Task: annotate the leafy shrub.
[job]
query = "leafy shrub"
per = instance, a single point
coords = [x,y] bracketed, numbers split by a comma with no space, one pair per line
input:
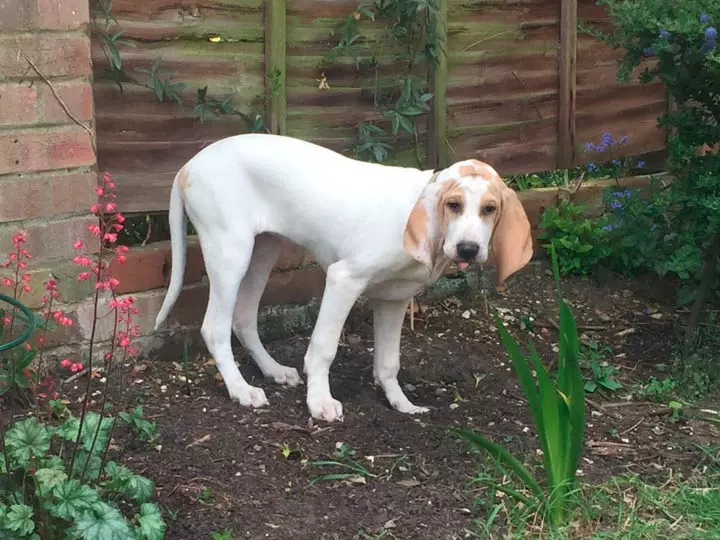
[580,242]
[58,482]
[676,43]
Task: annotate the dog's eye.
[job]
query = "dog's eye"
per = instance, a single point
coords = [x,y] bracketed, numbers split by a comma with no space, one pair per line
[454,206]
[489,209]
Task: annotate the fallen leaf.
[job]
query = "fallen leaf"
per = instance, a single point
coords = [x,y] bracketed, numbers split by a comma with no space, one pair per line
[408,483]
[201,440]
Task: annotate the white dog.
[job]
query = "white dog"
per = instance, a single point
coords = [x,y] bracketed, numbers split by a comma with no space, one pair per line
[377,230]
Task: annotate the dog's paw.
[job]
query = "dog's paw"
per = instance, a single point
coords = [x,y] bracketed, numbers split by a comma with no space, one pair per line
[247,396]
[286,376]
[327,409]
[406,407]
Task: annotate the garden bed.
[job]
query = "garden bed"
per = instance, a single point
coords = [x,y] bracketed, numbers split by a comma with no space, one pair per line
[220,466]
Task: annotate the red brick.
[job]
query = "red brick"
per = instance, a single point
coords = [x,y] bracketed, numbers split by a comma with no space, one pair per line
[22,198]
[56,55]
[50,239]
[70,193]
[78,96]
[17,15]
[63,14]
[194,263]
[142,271]
[18,104]
[294,286]
[34,196]
[45,149]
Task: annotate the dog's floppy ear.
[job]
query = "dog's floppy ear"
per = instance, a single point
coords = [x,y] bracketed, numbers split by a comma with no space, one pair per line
[416,238]
[512,242]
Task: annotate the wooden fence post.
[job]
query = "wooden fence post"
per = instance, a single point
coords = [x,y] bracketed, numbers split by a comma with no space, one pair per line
[275,69]
[437,136]
[567,67]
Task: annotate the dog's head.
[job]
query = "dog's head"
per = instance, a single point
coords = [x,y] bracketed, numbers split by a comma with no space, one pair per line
[469,215]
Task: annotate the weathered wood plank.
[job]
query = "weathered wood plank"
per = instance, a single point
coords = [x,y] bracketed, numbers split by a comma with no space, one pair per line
[568,55]
[275,66]
[437,149]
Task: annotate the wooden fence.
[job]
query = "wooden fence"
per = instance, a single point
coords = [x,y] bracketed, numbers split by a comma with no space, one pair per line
[518,88]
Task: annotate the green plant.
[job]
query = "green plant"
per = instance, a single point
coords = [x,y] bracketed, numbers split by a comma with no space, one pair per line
[343,460]
[676,43]
[581,242]
[142,428]
[41,498]
[603,375]
[225,535]
[658,390]
[410,31]
[558,412]
[60,481]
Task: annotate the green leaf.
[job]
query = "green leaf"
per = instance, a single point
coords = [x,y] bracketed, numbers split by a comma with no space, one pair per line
[501,454]
[27,439]
[73,498]
[152,525]
[590,386]
[139,488]
[47,479]
[102,522]
[20,519]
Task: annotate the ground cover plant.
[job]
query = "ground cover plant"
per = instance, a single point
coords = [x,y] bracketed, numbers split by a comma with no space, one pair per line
[60,479]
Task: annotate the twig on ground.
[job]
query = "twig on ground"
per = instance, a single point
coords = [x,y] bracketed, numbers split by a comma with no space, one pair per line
[628,430]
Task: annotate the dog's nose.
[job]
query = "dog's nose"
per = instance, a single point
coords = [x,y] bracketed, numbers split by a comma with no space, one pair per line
[467,250]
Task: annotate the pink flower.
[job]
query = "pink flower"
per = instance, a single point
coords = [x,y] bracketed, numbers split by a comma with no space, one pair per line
[83,276]
[82,260]
[66,363]
[95,229]
[77,366]
[95,208]
[110,207]
[26,288]
[110,237]
[27,347]
[8,282]
[99,191]
[78,244]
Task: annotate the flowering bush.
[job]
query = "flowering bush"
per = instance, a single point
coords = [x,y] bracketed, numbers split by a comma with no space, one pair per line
[59,481]
[614,158]
[676,43]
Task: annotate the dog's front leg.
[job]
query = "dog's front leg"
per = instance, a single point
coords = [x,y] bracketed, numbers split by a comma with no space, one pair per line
[388,317]
[342,290]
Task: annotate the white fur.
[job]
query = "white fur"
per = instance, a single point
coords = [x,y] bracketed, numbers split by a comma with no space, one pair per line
[349,214]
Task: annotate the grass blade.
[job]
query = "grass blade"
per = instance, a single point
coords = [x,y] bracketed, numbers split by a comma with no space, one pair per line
[501,454]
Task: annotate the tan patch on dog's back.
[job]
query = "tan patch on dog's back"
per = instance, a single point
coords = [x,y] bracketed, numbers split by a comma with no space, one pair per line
[184,179]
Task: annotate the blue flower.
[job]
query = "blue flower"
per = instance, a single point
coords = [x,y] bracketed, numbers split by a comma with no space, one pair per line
[616,162]
[710,33]
[704,18]
[607,228]
[708,46]
[593,167]
[648,52]
[624,139]
[664,34]
[652,228]
[589,147]
[606,139]
[615,205]
[640,164]
[627,192]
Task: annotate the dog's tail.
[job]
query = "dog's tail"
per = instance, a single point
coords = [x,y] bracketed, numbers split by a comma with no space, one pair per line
[178,244]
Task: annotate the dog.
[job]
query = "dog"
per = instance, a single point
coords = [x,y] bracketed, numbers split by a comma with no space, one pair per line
[379,230]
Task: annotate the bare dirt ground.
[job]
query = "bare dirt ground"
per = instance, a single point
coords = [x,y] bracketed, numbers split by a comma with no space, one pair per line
[221,466]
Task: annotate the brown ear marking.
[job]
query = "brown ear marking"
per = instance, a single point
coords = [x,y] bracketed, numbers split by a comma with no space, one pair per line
[183,179]
[512,240]
[416,229]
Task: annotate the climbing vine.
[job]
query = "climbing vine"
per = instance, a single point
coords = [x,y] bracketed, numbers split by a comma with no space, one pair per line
[410,34]
[159,79]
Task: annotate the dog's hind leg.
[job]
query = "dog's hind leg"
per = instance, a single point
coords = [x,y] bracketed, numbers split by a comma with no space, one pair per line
[245,320]
[227,258]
